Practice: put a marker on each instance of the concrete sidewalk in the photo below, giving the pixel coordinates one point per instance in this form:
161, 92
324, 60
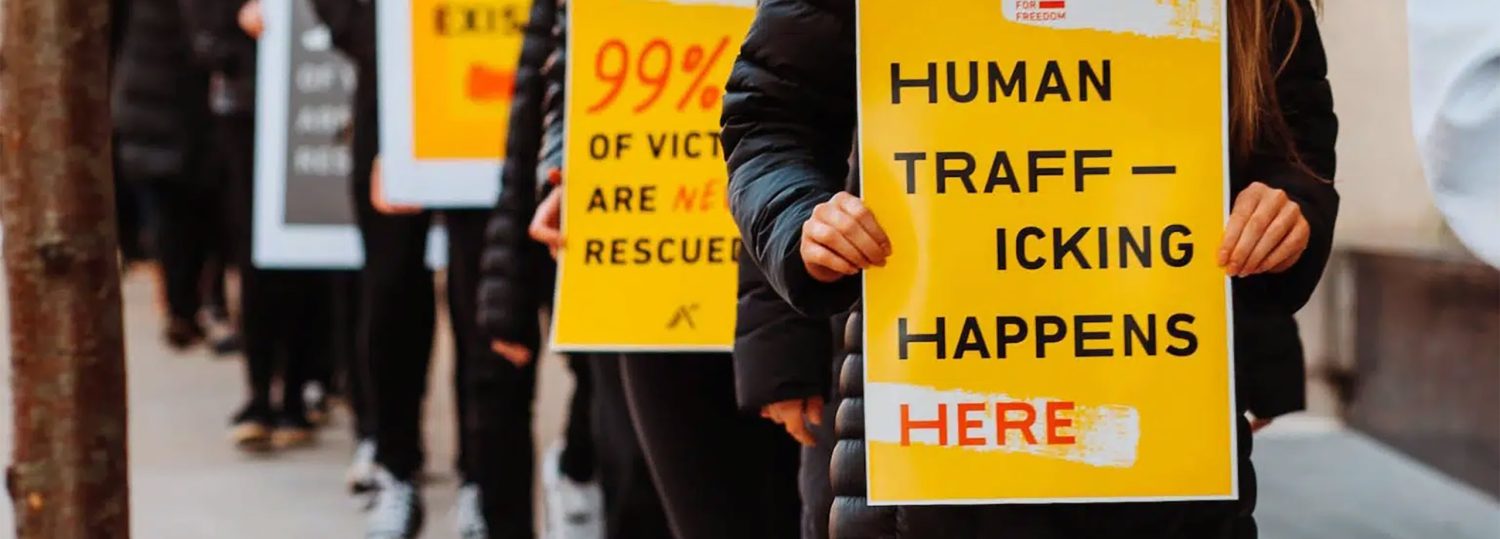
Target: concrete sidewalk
1323, 482
1317, 481
187, 482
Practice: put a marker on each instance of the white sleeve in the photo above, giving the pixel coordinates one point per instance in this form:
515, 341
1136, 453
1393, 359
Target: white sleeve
1455, 67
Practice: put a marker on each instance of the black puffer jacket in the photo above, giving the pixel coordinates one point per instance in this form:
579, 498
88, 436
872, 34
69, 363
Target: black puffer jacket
555, 71
779, 353
228, 52
159, 96
517, 272
788, 127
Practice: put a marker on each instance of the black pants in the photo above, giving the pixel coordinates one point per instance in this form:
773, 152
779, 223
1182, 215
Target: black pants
349, 373
213, 284
721, 474
813, 479
285, 315
632, 508
130, 218
187, 230
285, 322
579, 454
494, 397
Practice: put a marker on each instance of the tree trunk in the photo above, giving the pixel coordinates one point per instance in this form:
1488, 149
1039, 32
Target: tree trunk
69, 478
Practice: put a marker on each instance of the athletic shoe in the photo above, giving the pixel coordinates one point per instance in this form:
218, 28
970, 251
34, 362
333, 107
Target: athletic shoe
361, 476
292, 430
182, 333
397, 511
470, 514
317, 404
574, 510
226, 344
250, 429
223, 338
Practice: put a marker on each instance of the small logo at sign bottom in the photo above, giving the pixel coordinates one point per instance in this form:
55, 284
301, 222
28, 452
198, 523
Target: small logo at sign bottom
683, 315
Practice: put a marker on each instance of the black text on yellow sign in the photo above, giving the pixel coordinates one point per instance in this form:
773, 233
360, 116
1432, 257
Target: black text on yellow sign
1053, 178
651, 252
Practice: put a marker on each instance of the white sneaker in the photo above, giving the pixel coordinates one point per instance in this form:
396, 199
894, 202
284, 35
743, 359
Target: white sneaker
361, 476
470, 514
397, 512
222, 335
574, 510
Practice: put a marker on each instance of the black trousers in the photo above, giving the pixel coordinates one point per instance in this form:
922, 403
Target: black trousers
580, 453
213, 284
187, 229
286, 316
721, 474
130, 217
285, 323
349, 377
494, 397
632, 507
813, 480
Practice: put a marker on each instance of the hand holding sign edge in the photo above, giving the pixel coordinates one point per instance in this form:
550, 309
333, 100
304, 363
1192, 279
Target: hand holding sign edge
546, 224
250, 19
1266, 232
842, 237
377, 195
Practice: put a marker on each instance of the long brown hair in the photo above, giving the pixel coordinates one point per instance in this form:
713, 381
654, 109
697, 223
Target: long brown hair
1254, 113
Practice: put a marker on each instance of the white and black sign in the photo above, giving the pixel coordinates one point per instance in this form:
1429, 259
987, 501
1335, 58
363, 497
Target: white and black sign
304, 214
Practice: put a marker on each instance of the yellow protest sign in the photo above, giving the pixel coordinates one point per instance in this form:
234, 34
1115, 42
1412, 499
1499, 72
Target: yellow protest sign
651, 251
447, 74
1052, 326
463, 73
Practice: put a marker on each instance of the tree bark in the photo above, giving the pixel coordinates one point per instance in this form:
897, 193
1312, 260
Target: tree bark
69, 479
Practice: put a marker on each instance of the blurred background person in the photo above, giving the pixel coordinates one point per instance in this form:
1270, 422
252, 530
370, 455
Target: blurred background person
160, 106
286, 314
718, 472
595, 480
494, 397
130, 216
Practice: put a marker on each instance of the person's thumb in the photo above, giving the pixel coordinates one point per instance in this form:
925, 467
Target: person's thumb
517, 354
798, 429
813, 407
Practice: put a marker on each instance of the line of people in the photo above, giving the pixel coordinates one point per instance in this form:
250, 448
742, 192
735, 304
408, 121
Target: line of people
672, 445
183, 95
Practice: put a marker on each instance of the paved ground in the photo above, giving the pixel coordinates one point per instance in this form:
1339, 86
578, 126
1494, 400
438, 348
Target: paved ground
1318, 482
188, 483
